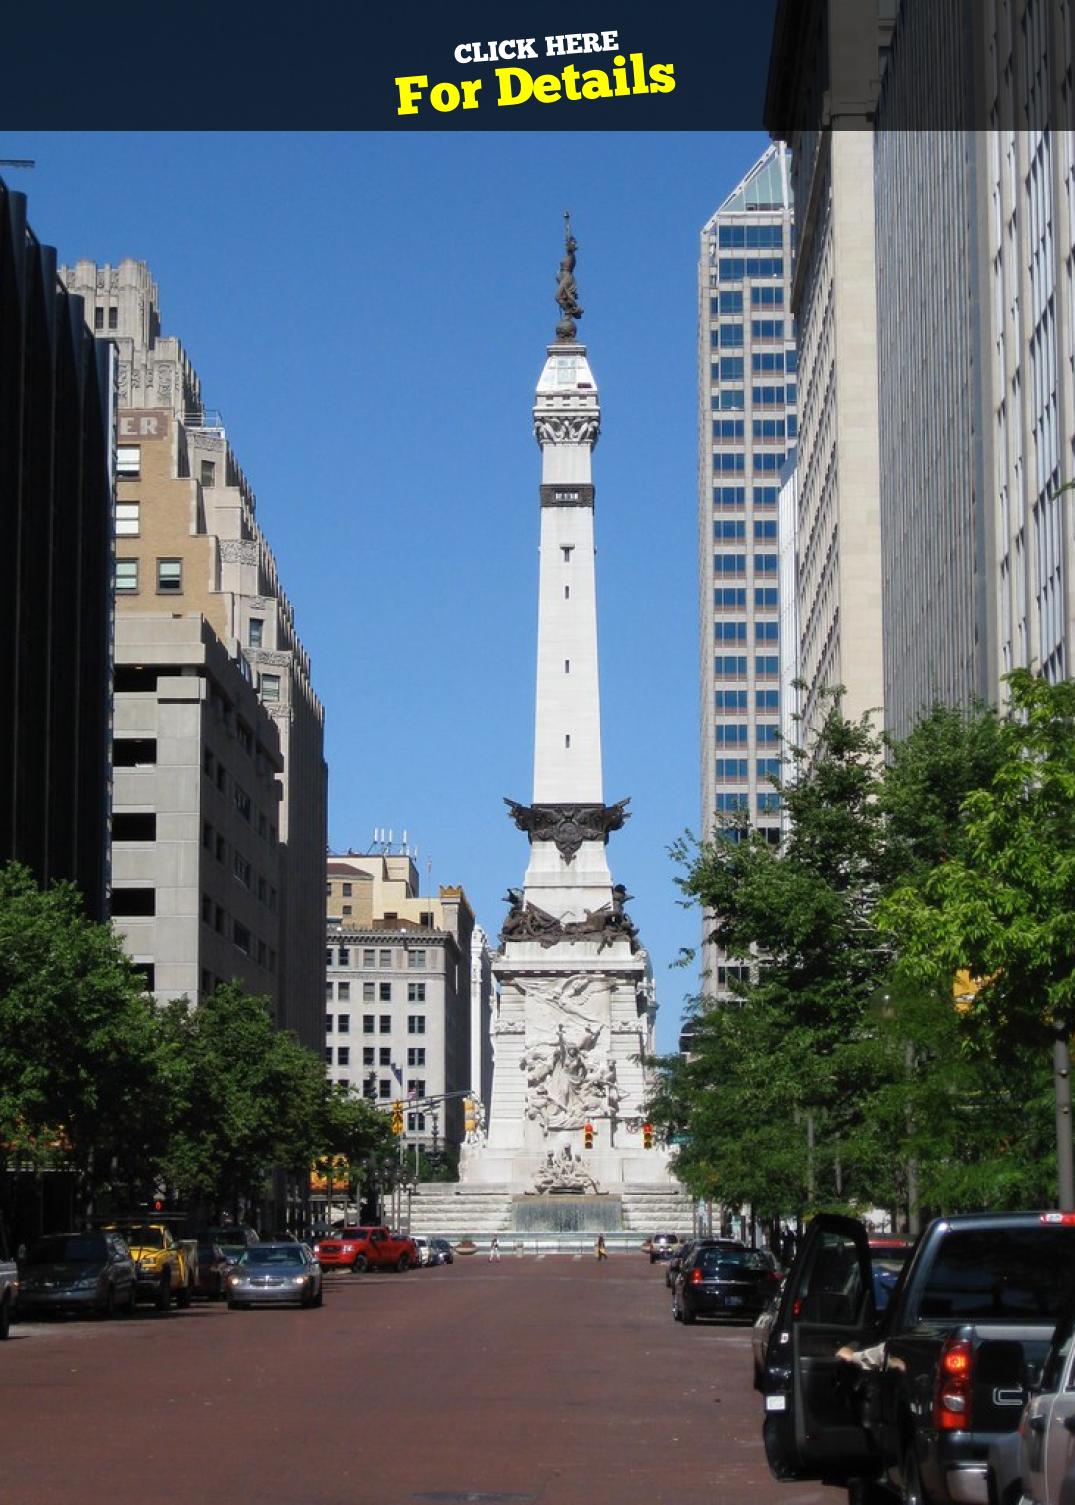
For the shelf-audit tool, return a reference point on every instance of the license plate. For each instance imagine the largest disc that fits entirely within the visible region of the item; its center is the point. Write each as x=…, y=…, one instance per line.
x=733, y=1301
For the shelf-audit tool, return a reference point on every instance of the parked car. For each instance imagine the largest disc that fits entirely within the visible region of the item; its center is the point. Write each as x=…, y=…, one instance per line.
x=358, y=1249
x=422, y=1245
x=211, y=1271
x=77, y=1272
x=661, y=1246
x=163, y=1265
x=9, y=1284
x=233, y=1239
x=679, y=1254
x=442, y=1251
x=716, y=1282
x=945, y=1372
x=283, y=1274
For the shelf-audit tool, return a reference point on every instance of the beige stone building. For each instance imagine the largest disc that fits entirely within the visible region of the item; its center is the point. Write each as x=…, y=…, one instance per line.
x=822, y=50
x=188, y=542
x=408, y=992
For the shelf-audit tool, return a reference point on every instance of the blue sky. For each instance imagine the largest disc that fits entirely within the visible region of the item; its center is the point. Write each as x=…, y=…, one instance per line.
x=370, y=314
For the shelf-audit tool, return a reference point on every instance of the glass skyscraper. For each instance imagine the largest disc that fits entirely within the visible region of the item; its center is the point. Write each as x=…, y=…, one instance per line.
x=747, y=424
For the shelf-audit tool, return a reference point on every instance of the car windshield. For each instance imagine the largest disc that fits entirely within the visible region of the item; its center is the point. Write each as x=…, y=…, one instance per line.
x=273, y=1254
x=143, y=1237
x=73, y=1249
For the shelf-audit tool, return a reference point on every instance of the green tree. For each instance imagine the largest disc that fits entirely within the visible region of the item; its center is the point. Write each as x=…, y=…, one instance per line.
x=353, y=1136
x=1002, y=906
x=245, y=1098
x=78, y=1062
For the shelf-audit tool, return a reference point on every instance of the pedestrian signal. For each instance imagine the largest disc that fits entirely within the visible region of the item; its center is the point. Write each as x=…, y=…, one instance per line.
x=647, y=1136
x=397, y=1117
x=587, y=1136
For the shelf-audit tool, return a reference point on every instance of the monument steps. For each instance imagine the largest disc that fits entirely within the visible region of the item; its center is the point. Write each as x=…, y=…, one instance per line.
x=452, y=1210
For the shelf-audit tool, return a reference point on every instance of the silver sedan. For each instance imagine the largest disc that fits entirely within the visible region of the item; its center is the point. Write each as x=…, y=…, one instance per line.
x=275, y=1275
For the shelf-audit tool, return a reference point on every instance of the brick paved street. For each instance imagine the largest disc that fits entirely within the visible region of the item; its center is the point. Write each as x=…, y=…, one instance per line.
x=554, y=1381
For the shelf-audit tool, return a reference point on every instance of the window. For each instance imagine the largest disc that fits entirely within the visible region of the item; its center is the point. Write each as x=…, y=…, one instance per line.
x=328, y=1055
x=416, y=1085
x=731, y=368
x=369, y=1087
x=767, y=360
x=134, y=826
x=769, y=804
x=367, y=1024
x=221, y=777
x=727, y=302
x=731, y=700
x=221, y=848
x=730, y=598
x=384, y=1089
x=129, y=462
x=767, y=700
x=242, y=802
x=769, y=460
x=767, y=667
x=328, y=999
x=98, y=318
x=328, y=1017
x=416, y=1024
x=385, y=1055
x=729, y=462
x=731, y=804
x=208, y=472
x=133, y=902
x=728, y=335
x=241, y=868
x=126, y=575
x=113, y=318
x=767, y=297
x=384, y=992
x=345, y=956
x=766, y=496
x=347, y=890
x=766, y=632
x=343, y=994
x=767, y=329
x=384, y=958
x=768, y=768
x=367, y=1055
x=169, y=577
x=416, y=1055
x=343, y=1055
x=134, y=752
x=416, y=992
x=255, y=629
x=767, y=734
x=425, y=919
x=751, y=236
x=767, y=597
x=385, y=1024
x=730, y=632
x=729, y=527
x=368, y=958
x=731, y=732
x=565, y=550
x=769, y=428
x=730, y=770
x=731, y=400
x=766, y=564
x=416, y=958
x=725, y=667
x=369, y=992
x=127, y=519
x=270, y=687
x=416, y=1122
x=729, y=564
x=241, y=937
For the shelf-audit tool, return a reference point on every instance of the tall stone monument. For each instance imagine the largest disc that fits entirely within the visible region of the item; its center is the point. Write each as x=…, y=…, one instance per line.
x=575, y=1019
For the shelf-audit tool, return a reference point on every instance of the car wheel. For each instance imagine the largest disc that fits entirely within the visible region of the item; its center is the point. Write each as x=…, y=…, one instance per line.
x=403, y=1264
x=653, y=1259
x=5, y=1318
x=675, y=1312
x=360, y=1265
x=164, y=1295
x=132, y=1301
x=238, y=1306
x=108, y=1308
x=867, y=1492
x=182, y=1297
x=319, y=1299
x=686, y=1316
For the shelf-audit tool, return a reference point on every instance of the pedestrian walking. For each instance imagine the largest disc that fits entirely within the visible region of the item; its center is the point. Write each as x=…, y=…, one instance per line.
x=599, y=1248
x=494, y=1248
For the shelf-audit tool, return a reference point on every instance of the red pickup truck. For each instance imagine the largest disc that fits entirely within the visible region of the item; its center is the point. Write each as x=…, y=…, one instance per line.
x=358, y=1249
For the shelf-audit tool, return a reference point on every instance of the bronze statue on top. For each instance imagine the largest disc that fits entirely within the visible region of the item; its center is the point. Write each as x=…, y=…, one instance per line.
x=567, y=288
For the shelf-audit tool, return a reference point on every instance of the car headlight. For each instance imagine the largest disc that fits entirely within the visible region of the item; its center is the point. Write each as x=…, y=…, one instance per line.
x=233, y=1279
x=299, y=1280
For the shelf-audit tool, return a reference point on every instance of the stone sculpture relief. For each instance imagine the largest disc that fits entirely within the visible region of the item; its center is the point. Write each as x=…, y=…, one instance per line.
x=529, y=922
x=568, y=825
x=569, y=1078
x=567, y=430
x=563, y=1172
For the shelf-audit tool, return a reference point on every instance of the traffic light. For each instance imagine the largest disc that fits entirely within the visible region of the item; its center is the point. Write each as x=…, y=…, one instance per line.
x=587, y=1137
x=647, y=1136
x=470, y=1122
x=397, y=1117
